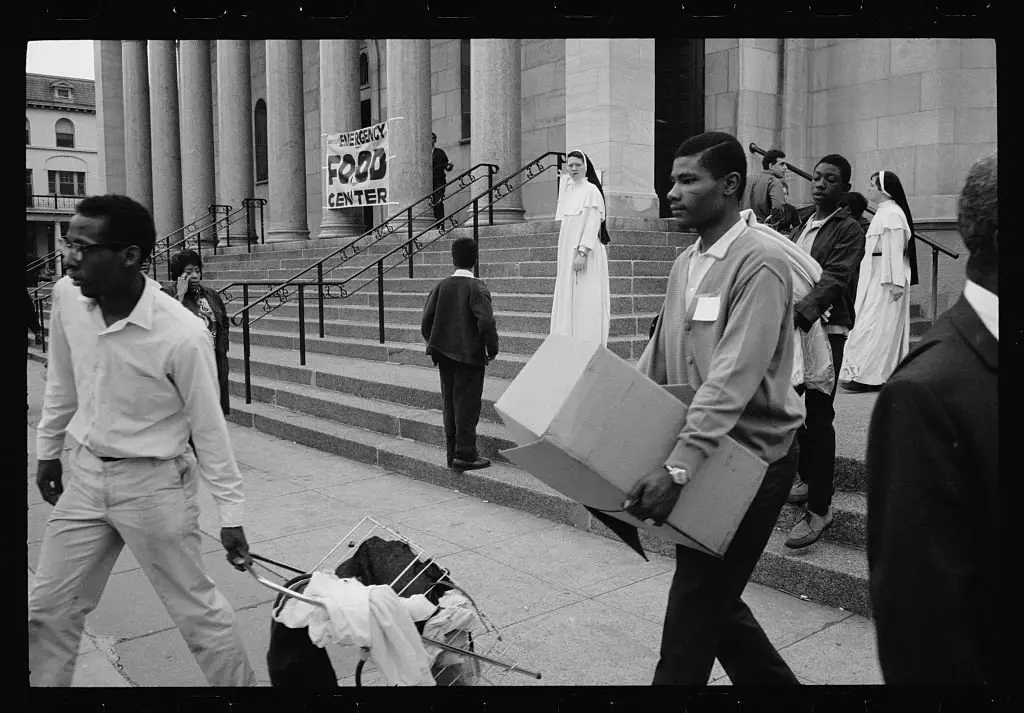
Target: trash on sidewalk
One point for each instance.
(590, 426)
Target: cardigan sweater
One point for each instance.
(458, 321)
(738, 357)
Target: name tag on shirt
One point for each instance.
(707, 308)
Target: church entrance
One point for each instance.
(678, 105)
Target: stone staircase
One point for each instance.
(380, 403)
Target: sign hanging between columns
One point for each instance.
(357, 168)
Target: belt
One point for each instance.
(107, 459)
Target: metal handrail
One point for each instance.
(936, 247)
(754, 148)
(351, 249)
(408, 249)
(225, 221)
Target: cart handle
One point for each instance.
(454, 649)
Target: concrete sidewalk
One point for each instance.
(580, 608)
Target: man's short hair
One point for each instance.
(978, 209)
(834, 159)
(464, 253)
(124, 221)
(771, 157)
(719, 153)
(182, 260)
(856, 203)
(433, 136)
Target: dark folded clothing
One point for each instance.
(294, 661)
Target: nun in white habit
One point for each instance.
(582, 304)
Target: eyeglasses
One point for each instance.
(81, 249)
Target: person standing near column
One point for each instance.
(582, 304)
(766, 191)
(836, 241)
(440, 166)
(882, 336)
(131, 374)
(726, 330)
(934, 560)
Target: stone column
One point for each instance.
(495, 99)
(234, 123)
(286, 142)
(339, 111)
(796, 114)
(137, 150)
(163, 110)
(197, 176)
(409, 124)
(609, 114)
(109, 117)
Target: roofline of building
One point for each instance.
(57, 76)
(80, 108)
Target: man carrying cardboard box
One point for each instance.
(725, 330)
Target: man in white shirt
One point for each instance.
(131, 375)
(934, 556)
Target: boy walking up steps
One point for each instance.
(458, 326)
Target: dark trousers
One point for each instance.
(437, 200)
(706, 618)
(32, 315)
(462, 388)
(818, 437)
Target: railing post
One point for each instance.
(935, 284)
(380, 297)
(476, 235)
(320, 295)
(262, 240)
(302, 325)
(490, 197)
(245, 344)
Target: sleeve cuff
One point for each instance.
(49, 447)
(686, 456)
(231, 514)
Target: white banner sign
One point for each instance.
(357, 168)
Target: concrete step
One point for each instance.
(501, 302)
(425, 425)
(530, 322)
(826, 572)
(437, 272)
(283, 334)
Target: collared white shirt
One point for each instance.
(138, 388)
(806, 239)
(701, 260)
(986, 304)
(463, 273)
(804, 242)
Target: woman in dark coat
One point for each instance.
(187, 271)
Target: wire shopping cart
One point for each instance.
(467, 651)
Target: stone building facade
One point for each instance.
(923, 108)
(61, 159)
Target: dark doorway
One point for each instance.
(678, 105)
(365, 119)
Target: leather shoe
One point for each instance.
(459, 464)
(798, 493)
(855, 387)
(807, 531)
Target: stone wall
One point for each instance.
(543, 118)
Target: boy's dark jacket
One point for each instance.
(838, 248)
(458, 321)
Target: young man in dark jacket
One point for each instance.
(458, 326)
(835, 239)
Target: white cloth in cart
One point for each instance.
(452, 624)
(374, 617)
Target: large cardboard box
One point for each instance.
(590, 426)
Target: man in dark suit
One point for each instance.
(932, 463)
(462, 338)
